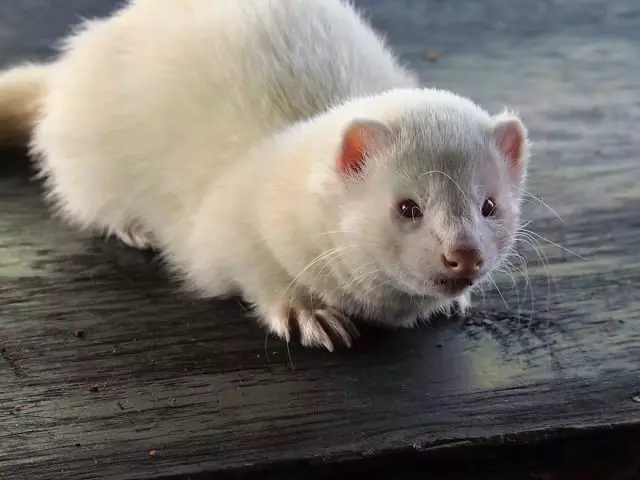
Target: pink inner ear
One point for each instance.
(353, 150)
(358, 141)
(511, 142)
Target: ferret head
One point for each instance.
(429, 196)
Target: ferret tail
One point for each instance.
(21, 91)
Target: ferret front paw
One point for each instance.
(316, 327)
(134, 236)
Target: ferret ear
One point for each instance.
(512, 140)
(359, 140)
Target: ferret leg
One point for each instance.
(134, 235)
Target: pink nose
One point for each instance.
(462, 260)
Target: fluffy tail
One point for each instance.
(21, 91)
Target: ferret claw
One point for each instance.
(326, 327)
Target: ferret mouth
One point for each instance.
(453, 286)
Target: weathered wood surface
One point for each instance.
(555, 358)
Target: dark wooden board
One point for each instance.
(539, 380)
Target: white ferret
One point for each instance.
(274, 149)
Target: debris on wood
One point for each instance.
(80, 333)
(432, 56)
(153, 453)
(94, 389)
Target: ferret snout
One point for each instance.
(462, 260)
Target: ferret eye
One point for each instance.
(409, 209)
(488, 208)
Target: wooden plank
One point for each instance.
(196, 381)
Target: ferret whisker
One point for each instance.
(557, 245)
(528, 287)
(361, 278)
(324, 256)
(373, 286)
(512, 252)
(525, 238)
(529, 195)
(523, 269)
(508, 271)
(506, 305)
(545, 264)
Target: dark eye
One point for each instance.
(409, 209)
(488, 208)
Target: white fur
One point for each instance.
(211, 130)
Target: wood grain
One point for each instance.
(539, 380)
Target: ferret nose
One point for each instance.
(462, 260)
